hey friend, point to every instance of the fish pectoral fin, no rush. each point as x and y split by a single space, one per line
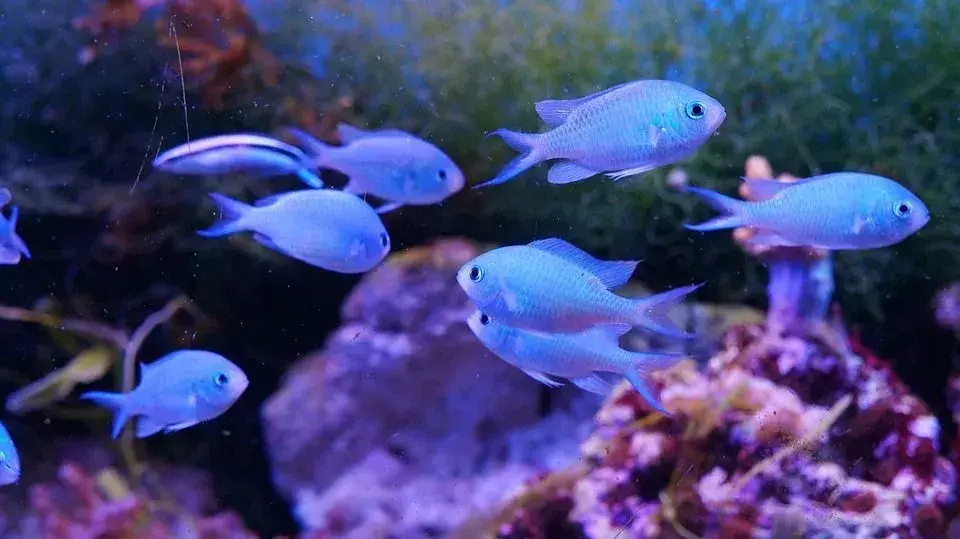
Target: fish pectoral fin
621 174
594 384
542 378
568 172
147 426
386 208
768 238
179 426
9 255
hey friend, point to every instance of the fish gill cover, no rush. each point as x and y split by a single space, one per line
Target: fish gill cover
93 92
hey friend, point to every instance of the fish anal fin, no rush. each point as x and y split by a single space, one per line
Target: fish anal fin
566 172
147 427
626 173
593 384
542 378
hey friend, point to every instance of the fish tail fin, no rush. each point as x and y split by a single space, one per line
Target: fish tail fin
314 149
732 210
15 240
653 312
231 216
638 374
525 143
310 178
113 401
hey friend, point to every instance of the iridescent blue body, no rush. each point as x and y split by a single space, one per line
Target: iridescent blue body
625 130
552 286
9 459
175 392
325 228
588 359
388 164
845 210
12 247
240 152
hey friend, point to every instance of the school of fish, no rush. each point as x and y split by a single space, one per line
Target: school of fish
548 307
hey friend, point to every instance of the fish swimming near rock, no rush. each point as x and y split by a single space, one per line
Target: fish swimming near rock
9 459
592 360
177 391
844 210
552 286
622 131
389 164
325 228
241 152
12 247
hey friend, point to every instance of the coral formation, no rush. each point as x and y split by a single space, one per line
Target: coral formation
779 431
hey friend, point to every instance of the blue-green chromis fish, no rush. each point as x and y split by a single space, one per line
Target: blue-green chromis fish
588 359
12 247
625 130
177 391
389 164
845 210
240 152
328 229
9 459
552 286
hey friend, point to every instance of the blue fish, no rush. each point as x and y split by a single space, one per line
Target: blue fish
389 164
177 391
592 360
9 459
242 152
554 287
12 247
328 229
845 210
622 131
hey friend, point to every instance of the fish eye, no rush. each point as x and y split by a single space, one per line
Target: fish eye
475 274
903 209
696 110
384 240
484 319
221 379
442 174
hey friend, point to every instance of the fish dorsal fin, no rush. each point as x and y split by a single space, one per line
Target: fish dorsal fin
555 111
612 273
349 133
268 200
765 189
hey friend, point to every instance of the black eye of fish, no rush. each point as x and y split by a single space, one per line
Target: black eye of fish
222 380
442 174
695 110
484 319
384 240
902 209
476 273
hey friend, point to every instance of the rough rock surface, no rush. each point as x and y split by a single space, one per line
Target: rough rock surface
780 436
404 414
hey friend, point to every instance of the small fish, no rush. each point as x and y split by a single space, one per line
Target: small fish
845 210
329 229
177 391
552 286
12 247
5 196
388 164
588 359
9 459
622 131
241 152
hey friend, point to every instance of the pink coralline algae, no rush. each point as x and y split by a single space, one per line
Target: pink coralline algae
779 436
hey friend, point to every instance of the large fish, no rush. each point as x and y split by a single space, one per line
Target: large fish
177 391
324 228
389 164
845 210
625 130
241 152
587 359
552 286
